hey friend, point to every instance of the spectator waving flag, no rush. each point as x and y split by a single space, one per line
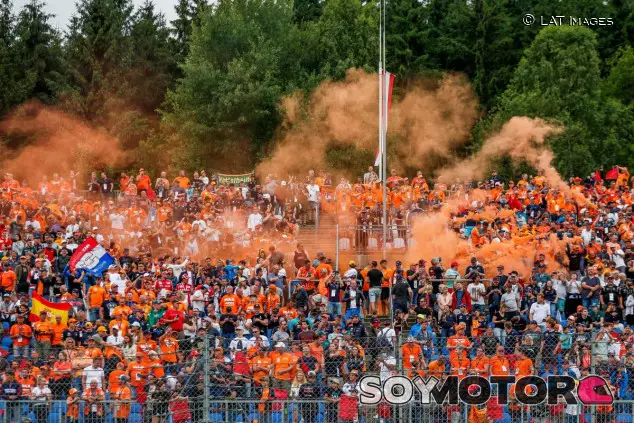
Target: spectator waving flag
40 304
91 257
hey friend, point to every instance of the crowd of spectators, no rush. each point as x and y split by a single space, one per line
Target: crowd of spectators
175 322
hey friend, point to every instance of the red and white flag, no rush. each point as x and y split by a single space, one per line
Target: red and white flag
385 103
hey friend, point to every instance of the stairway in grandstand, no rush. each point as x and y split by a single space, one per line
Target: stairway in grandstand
319 237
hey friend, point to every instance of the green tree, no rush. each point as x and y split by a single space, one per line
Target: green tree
99 53
38 50
347 35
187 15
7 63
305 11
153 66
559 79
226 104
620 82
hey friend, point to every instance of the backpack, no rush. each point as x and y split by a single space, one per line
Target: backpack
382 340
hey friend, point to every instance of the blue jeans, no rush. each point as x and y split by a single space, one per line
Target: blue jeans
227 338
93 314
482 308
589 302
334 308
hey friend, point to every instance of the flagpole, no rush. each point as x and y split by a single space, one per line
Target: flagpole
383 138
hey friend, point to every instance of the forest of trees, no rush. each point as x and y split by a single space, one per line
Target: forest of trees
205 90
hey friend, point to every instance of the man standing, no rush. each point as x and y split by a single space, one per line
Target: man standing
375 278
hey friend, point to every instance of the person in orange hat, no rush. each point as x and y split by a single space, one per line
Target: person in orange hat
458 340
72 406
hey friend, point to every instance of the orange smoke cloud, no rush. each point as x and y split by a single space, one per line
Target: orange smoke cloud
429 122
521 138
55 142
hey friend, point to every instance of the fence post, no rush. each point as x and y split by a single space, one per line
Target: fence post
206 361
317 222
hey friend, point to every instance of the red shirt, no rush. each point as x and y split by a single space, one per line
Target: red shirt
178 324
163 284
185 287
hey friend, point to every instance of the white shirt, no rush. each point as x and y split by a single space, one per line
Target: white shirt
91 373
255 219
540 312
389 333
116 221
115 280
617 258
115 340
313 192
384 372
560 288
233 347
477 293
41 394
198 300
586 236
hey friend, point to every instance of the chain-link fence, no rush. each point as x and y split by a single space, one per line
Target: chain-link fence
333 407
264 378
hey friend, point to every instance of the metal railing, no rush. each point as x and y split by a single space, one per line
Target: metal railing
269 409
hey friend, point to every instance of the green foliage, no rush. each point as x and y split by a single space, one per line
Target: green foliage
206 88
559 79
231 84
620 82
38 50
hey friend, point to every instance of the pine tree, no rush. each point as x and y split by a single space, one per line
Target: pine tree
37 49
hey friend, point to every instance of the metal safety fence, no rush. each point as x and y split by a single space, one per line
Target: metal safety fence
368 238
237 377
334 406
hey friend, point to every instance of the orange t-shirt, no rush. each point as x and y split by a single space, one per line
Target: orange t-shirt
523 367
8 280
169 346
136 371
457 341
44 331
460 367
156 367
282 362
113 380
479 364
258 361
122 408
436 369
23 333
58 333
230 300
98 295
411 355
499 366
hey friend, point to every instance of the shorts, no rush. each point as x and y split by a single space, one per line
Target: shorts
375 293
385 293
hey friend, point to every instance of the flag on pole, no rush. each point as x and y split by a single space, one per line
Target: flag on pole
39 304
385 100
612 174
91 257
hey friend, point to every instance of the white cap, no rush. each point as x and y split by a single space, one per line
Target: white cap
240 328
280 345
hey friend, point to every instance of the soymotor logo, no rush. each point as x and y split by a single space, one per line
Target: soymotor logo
476 390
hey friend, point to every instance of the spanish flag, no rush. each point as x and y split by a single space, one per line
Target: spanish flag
39 304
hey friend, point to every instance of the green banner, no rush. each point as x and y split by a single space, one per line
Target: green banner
233 179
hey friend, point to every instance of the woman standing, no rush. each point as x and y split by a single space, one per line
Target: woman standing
573 300
41 396
62 375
